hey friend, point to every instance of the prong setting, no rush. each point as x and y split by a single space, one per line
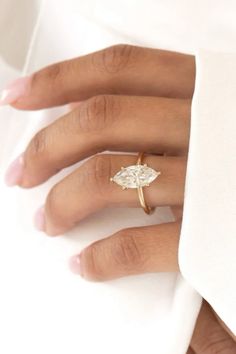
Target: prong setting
135 176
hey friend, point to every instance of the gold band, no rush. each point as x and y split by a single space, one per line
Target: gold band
146 208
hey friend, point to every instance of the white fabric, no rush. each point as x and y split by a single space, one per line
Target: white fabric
208 235
43 307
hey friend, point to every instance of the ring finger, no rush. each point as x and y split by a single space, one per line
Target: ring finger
88 189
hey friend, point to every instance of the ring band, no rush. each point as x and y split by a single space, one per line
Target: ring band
146 208
137 176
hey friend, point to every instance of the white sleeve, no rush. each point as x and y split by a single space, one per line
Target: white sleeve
207 253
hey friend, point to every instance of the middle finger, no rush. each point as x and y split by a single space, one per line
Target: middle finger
115 123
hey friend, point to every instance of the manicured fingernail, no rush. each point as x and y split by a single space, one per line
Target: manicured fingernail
75 264
14 172
39 219
15 90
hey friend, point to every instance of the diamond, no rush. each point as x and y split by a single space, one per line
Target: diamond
135 176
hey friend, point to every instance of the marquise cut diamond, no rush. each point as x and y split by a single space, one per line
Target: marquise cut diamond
135 176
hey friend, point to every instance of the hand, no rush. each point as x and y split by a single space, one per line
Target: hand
131 99
211 336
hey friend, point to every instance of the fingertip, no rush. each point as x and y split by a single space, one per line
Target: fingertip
75 264
15 91
14 173
53 231
39 219
43 226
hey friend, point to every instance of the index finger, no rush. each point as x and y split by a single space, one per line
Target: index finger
120 69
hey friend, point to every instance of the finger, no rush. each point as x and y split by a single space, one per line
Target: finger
224 326
177 212
209 336
115 123
130 251
89 189
120 69
74 105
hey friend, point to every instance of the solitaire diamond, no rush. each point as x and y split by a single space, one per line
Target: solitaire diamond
135 176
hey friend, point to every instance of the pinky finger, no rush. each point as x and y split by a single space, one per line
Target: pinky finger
130 251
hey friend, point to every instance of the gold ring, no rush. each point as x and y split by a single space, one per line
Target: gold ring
137 176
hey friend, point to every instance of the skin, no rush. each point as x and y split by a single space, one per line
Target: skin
131 99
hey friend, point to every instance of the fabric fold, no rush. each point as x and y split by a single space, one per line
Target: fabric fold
208 234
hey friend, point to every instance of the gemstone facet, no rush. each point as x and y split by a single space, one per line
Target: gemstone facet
135 176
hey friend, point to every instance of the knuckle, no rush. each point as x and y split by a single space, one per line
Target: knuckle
38 145
98 113
51 74
90 257
54 72
216 343
114 59
126 250
97 175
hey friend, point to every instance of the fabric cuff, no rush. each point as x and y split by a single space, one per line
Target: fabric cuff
207 253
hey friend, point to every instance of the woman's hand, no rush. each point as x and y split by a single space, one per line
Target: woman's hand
131 99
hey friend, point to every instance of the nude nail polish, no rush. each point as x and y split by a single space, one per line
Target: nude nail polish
14 172
15 90
39 219
75 264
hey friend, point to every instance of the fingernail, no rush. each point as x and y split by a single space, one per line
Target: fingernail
39 219
75 264
15 90
14 172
